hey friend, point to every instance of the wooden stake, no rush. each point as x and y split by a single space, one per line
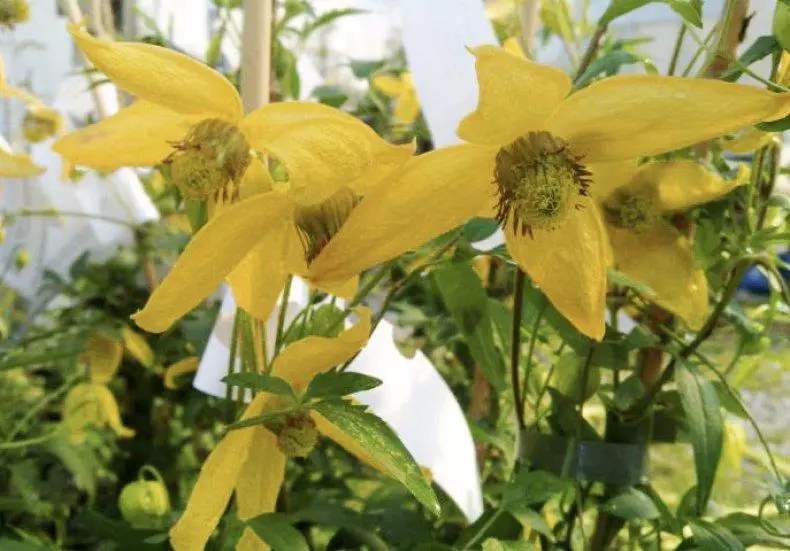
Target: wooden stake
256 53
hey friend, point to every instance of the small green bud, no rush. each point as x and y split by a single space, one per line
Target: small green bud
145 503
13 12
22 259
781 24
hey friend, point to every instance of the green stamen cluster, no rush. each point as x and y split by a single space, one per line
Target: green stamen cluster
632 209
539 182
317 224
297 436
40 124
13 12
210 161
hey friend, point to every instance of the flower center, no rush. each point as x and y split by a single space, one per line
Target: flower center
13 12
40 124
297 436
317 224
632 209
539 182
211 160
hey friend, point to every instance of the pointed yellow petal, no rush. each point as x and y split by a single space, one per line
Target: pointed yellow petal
680 286
14 165
218 478
211 255
137 347
609 177
92 405
433 194
259 278
111 413
158 75
304 359
321 148
516 96
256 179
631 116
569 265
102 357
387 84
140 135
683 184
259 484
513 46
408 107
182 367
749 140
344 440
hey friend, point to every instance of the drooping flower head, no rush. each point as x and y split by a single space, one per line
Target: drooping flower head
526 163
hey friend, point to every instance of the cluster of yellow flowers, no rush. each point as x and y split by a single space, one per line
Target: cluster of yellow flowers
559 169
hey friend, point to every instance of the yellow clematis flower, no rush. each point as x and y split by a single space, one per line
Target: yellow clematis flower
92 404
646 247
251 461
524 164
407 106
330 157
191 117
750 139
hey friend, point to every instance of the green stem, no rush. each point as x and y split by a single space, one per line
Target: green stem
533 339
483 529
673 63
589 53
278 341
37 408
5 446
723 28
515 344
68 214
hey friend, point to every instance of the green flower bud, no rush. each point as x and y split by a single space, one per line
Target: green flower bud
145 503
298 435
22 259
13 12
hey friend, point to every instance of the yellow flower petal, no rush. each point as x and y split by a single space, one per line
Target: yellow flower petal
630 116
749 140
407 109
137 347
92 405
609 177
516 96
259 484
258 279
218 478
321 148
433 194
102 357
158 75
683 184
210 256
304 359
569 265
387 84
513 46
181 367
14 165
139 135
256 179
345 441
680 286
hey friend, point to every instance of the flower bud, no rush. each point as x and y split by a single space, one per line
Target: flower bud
13 12
145 503
298 435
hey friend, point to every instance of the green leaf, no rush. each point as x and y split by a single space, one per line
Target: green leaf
749 531
760 49
728 401
466 299
376 437
197 213
638 338
328 17
338 383
81 462
775 126
530 518
14 545
781 24
333 96
532 487
363 68
624 280
632 505
478 229
276 530
690 10
713 537
492 544
567 377
259 382
607 65
705 425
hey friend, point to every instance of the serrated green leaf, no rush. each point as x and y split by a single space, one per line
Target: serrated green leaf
632 505
713 537
705 425
607 65
277 531
466 299
478 229
259 382
749 531
376 437
760 49
339 383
